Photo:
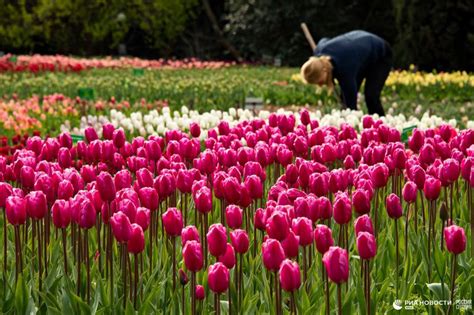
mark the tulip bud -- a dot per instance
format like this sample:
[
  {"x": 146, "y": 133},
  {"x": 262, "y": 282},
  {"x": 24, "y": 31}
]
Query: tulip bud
[
  {"x": 379, "y": 175},
  {"x": 336, "y": 262},
  {"x": 148, "y": 198},
  {"x": 183, "y": 277},
  {"x": 5, "y": 192},
  {"x": 217, "y": 239},
  {"x": 173, "y": 222},
  {"x": 199, "y": 292},
  {"x": 108, "y": 131},
  {"x": 233, "y": 216},
  {"x": 27, "y": 177},
  {"x": 90, "y": 134},
  {"x": 86, "y": 215},
  {"x": 290, "y": 277},
  {"x": 443, "y": 211},
  {"x": 366, "y": 245},
  {"x": 273, "y": 254},
  {"x": 363, "y": 224},
  {"x": 64, "y": 157},
  {"x": 15, "y": 210},
  {"x": 455, "y": 239},
  {"x": 192, "y": 255},
  {"x": 122, "y": 179},
  {"x": 121, "y": 227},
  {"x": 394, "y": 206}
]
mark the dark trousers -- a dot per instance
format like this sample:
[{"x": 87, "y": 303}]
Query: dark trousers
[{"x": 375, "y": 80}]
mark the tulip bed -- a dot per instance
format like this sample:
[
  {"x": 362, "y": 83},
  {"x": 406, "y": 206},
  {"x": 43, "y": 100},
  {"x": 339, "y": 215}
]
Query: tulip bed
[{"x": 281, "y": 214}]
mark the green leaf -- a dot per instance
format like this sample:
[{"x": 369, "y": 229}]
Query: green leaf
[
  {"x": 437, "y": 289},
  {"x": 21, "y": 296}
]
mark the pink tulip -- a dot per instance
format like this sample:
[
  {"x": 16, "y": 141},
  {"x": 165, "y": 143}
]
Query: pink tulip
[
  {"x": 366, "y": 245},
  {"x": 15, "y": 208},
  {"x": 361, "y": 201},
  {"x": 290, "y": 277},
  {"x": 36, "y": 205},
  {"x": 233, "y": 216},
  {"x": 228, "y": 259},
  {"x": 121, "y": 227},
  {"x": 455, "y": 239},
  {"x": 363, "y": 224},
  {"x": 291, "y": 244},
  {"x": 136, "y": 242},
  {"x": 394, "y": 207},
  {"x": 277, "y": 226},
  {"x": 240, "y": 241},
  {"x": 218, "y": 278},
  {"x": 303, "y": 229},
  {"x": 61, "y": 213},
  {"x": 273, "y": 254},
  {"x": 409, "y": 192},
  {"x": 323, "y": 238},
  {"x": 432, "y": 188},
  {"x": 336, "y": 262},
  {"x": 192, "y": 255},
  {"x": 173, "y": 222},
  {"x": 217, "y": 239}
]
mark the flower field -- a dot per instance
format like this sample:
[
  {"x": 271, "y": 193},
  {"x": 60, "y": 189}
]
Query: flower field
[{"x": 154, "y": 191}]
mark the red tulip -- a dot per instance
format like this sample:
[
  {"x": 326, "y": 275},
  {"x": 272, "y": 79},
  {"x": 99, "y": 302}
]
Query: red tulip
[
  {"x": 290, "y": 277},
  {"x": 218, "y": 278},
  {"x": 455, "y": 239},
  {"x": 108, "y": 131},
  {"x": 121, "y": 227},
  {"x": 192, "y": 255},
  {"x": 61, "y": 213},
  {"x": 363, "y": 224},
  {"x": 232, "y": 190},
  {"x": 394, "y": 206},
  {"x": 303, "y": 228},
  {"x": 144, "y": 177},
  {"x": 273, "y": 254},
  {"x": 409, "y": 192},
  {"x": 27, "y": 177},
  {"x": 254, "y": 185},
  {"x": 240, "y": 241},
  {"x": 136, "y": 242},
  {"x": 336, "y": 262},
  {"x": 217, "y": 239},
  {"x": 122, "y": 179},
  {"x": 65, "y": 190},
  {"x": 15, "y": 210},
  {"x": 449, "y": 171},
  {"x": 36, "y": 204},
  {"x": 90, "y": 134},
  {"x": 233, "y": 216},
  {"x": 258, "y": 219},
  {"x": 417, "y": 174},
  {"x": 228, "y": 259},
  {"x": 366, "y": 245},
  {"x": 172, "y": 221}
]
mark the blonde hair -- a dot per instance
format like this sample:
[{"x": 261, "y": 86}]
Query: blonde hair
[{"x": 313, "y": 70}]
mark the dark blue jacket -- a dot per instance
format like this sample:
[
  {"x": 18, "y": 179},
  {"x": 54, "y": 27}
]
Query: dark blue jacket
[{"x": 352, "y": 54}]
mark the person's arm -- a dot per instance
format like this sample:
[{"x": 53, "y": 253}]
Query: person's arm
[{"x": 349, "y": 92}]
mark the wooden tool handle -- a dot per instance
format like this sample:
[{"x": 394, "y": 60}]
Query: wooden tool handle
[{"x": 308, "y": 36}]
